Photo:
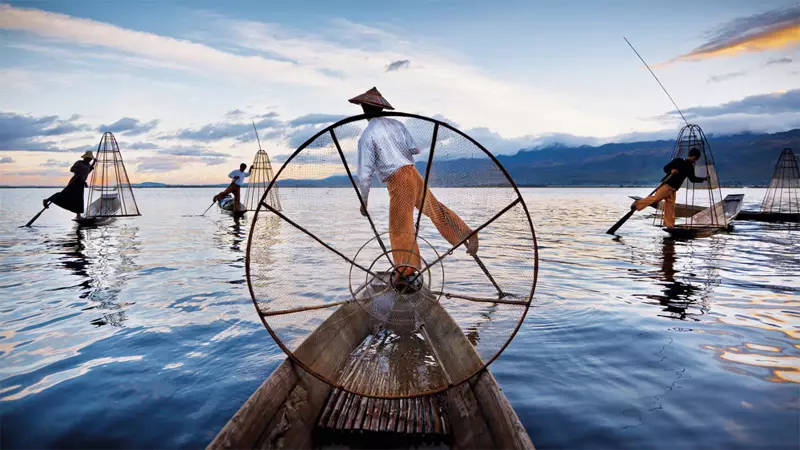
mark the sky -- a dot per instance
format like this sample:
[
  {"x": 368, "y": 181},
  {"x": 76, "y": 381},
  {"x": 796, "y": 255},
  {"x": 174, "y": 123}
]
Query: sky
[{"x": 179, "y": 82}]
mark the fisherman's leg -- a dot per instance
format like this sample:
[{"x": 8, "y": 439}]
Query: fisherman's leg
[
  {"x": 660, "y": 194},
  {"x": 236, "y": 198},
  {"x": 669, "y": 209},
  {"x": 449, "y": 225},
  {"x": 401, "y": 220},
  {"x": 224, "y": 193}
]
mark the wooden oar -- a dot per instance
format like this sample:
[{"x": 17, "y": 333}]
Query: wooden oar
[
  {"x": 35, "y": 217},
  {"x": 486, "y": 271},
  {"x": 625, "y": 218},
  {"x": 209, "y": 207}
]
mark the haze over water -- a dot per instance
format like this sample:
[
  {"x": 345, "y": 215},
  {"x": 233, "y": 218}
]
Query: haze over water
[{"x": 142, "y": 334}]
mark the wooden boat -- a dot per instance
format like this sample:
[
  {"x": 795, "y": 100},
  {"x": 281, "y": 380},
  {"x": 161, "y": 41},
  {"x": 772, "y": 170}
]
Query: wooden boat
[
  {"x": 226, "y": 205},
  {"x": 782, "y": 200},
  {"x": 701, "y": 224},
  {"x": 681, "y": 210},
  {"x": 102, "y": 211},
  {"x": 294, "y": 409},
  {"x": 762, "y": 216}
]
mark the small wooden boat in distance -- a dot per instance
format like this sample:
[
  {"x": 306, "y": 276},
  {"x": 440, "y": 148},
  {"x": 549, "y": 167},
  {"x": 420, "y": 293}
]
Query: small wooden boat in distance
[{"x": 294, "y": 409}]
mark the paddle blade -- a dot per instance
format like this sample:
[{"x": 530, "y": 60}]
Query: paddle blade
[
  {"x": 35, "y": 217},
  {"x": 620, "y": 222}
]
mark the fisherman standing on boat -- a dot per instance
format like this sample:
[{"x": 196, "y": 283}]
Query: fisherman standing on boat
[
  {"x": 678, "y": 170},
  {"x": 387, "y": 149},
  {"x": 237, "y": 177},
  {"x": 71, "y": 197}
]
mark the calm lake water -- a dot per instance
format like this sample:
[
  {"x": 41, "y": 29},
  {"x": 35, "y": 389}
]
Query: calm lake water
[{"x": 142, "y": 334}]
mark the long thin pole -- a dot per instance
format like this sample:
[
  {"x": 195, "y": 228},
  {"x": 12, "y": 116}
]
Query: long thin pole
[
  {"x": 657, "y": 80},
  {"x": 259, "y": 140},
  {"x": 209, "y": 207},
  {"x": 35, "y": 217}
]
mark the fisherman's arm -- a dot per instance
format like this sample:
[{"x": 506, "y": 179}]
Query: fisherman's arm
[
  {"x": 695, "y": 179},
  {"x": 366, "y": 166},
  {"x": 672, "y": 167}
]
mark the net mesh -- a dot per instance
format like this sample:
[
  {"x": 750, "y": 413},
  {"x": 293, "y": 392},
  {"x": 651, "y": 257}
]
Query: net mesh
[
  {"x": 705, "y": 196},
  {"x": 386, "y": 301},
  {"x": 261, "y": 174},
  {"x": 783, "y": 194},
  {"x": 110, "y": 193}
]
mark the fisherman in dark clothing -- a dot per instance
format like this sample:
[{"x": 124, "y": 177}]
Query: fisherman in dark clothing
[
  {"x": 71, "y": 197},
  {"x": 678, "y": 170}
]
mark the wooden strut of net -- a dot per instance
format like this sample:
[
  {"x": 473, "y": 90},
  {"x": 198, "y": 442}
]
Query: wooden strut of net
[
  {"x": 261, "y": 174},
  {"x": 110, "y": 191},
  {"x": 783, "y": 193}
]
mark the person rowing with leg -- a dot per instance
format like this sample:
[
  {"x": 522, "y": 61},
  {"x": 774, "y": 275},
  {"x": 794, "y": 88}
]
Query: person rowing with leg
[
  {"x": 237, "y": 178},
  {"x": 678, "y": 170},
  {"x": 387, "y": 149},
  {"x": 71, "y": 197}
]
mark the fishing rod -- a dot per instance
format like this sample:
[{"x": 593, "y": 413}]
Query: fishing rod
[{"x": 657, "y": 80}]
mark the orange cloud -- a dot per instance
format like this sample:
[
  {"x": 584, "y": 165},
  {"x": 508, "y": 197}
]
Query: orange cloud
[{"x": 773, "y": 30}]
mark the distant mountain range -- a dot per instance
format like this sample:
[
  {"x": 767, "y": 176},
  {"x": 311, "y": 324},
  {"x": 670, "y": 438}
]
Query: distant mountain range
[
  {"x": 746, "y": 159},
  {"x": 741, "y": 160}
]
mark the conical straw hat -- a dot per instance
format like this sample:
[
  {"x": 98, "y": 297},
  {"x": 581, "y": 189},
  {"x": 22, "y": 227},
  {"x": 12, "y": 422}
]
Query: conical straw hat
[{"x": 372, "y": 97}]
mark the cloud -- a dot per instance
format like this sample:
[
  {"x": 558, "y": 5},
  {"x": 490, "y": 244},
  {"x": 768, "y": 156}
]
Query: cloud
[
  {"x": 779, "y": 61},
  {"x": 55, "y": 163},
  {"x": 397, "y": 65},
  {"x": 726, "y": 76},
  {"x": 316, "y": 119},
  {"x": 764, "y": 104},
  {"x": 129, "y": 126},
  {"x": 142, "y": 146},
  {"x": 176, "y": 157},
  {"x": 156, "y": 165},
  {"x": 241, "y": 131},
  {"x": 182, "y": 53},
  {"x": 23, "y": 132},
  {"x": 771, "y": 30},
  {"x": 6, "y": 160},
  {"x": 236, "y": 113}
]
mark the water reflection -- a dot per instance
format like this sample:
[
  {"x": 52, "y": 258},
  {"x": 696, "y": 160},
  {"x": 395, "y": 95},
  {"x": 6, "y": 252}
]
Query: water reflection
[
  {"x": 232, "y": 235},
  {"x": 102, "y": 257},
  {"x": 678, "y": 296}
]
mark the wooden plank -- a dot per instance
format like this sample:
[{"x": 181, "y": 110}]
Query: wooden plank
[
  {"x": 247, "y": 424},
  {"x": 293, "y": 426},
  {"x": 503, "y": 421},
  {"x": 467, "y": 423}
]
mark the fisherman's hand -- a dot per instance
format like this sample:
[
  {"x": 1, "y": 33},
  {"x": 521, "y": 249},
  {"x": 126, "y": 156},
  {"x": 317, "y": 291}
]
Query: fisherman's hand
[
  {"x": 674, "y": 172},
  {"x": 363, "y": 211}
]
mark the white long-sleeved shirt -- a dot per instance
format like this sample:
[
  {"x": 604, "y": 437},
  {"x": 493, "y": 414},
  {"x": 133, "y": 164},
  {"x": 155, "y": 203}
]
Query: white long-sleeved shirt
[
  {"x": 240, "y": 174},
  {"x": 384, "y": 146}
]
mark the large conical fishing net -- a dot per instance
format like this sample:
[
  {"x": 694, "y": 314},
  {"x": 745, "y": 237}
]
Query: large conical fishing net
[
  {"x": 783, "y": 194},
  {"x": 323, "y": 276},
  {"x": 110, "y": 192},
  {"x": 261, "y": 174},
  {"x": 705, "y": 196}
]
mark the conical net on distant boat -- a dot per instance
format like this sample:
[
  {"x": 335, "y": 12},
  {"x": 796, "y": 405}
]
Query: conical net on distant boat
[
  {"x": 783, "y": 193},
  {"x": 386, "y": 302},
  {"x": 261, "y": 175},
  {"x": 706, "y": 196},
  {"x": 110, "y": 192}
]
